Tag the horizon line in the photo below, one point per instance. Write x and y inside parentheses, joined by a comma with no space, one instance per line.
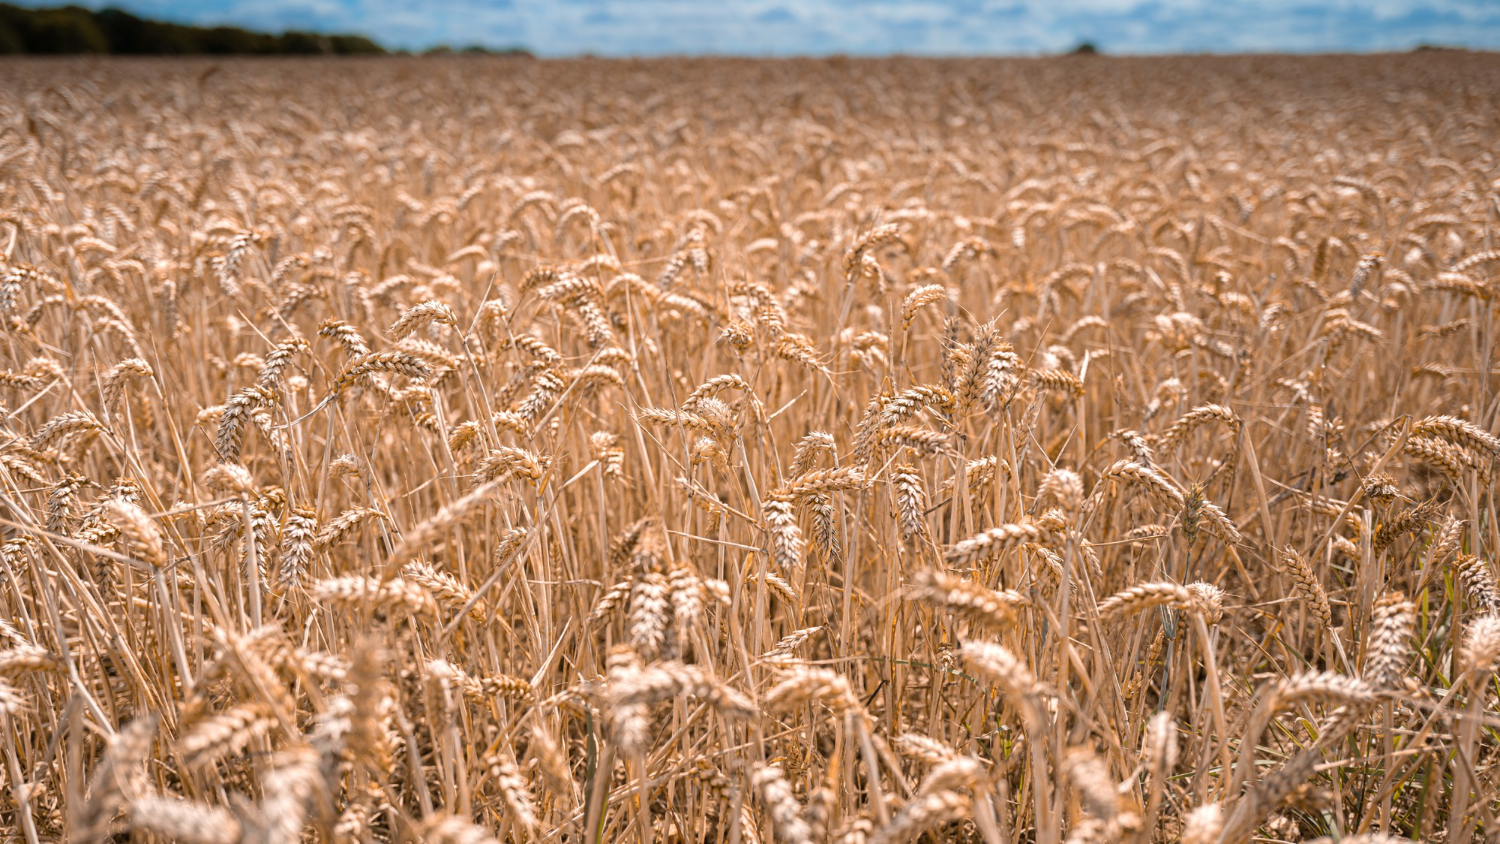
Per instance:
(521,53)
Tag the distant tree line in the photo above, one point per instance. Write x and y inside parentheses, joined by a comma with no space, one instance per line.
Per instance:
(73,29)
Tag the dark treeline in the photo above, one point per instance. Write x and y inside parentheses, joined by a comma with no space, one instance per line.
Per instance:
(72,30)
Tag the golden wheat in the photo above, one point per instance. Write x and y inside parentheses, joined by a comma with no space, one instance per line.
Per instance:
(698,450)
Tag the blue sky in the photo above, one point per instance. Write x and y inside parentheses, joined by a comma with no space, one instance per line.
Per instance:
(933,27)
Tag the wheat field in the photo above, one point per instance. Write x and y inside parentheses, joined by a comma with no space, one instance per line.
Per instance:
(467,450)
